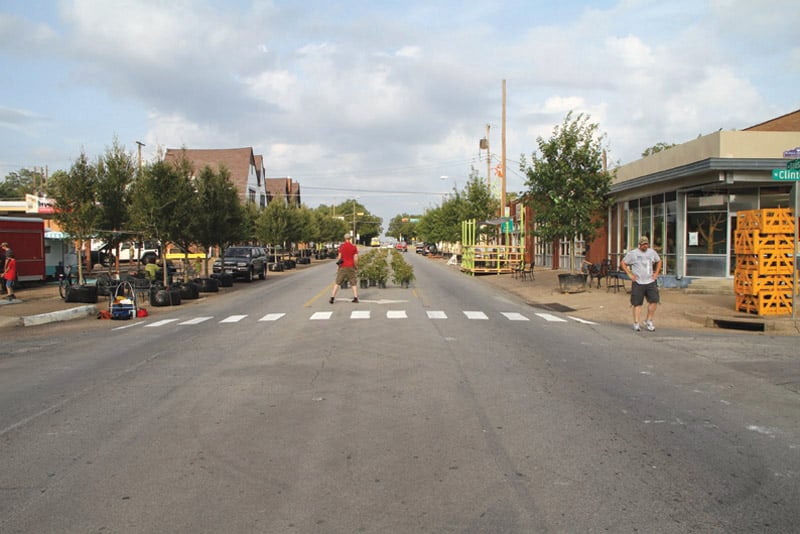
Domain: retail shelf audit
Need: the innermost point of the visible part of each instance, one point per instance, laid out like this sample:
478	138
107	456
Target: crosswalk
356	315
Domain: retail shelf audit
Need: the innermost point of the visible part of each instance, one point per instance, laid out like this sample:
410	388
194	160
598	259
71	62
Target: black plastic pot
207	285
85	294
189	291
165	297
224	279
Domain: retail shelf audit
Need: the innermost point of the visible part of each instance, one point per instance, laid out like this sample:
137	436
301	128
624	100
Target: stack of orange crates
764	276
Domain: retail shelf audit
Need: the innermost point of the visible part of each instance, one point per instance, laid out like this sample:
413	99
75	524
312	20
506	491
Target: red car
402	246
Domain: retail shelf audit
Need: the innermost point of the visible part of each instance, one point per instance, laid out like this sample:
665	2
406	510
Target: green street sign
786	174
793	165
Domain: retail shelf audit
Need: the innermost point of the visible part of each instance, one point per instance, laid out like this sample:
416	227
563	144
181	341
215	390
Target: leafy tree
20	183
658	147
367	225
219	218
273	223
163	203
401	227
330	228
115	173
567	185
74	194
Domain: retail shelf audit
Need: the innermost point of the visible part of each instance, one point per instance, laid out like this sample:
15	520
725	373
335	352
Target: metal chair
527	272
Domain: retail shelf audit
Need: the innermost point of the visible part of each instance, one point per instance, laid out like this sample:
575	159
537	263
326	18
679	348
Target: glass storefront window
776	197
743	199
707	233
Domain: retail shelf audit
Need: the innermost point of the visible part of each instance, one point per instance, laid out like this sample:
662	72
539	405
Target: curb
78	312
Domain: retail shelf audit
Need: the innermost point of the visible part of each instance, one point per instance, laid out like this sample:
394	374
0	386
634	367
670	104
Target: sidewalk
678	309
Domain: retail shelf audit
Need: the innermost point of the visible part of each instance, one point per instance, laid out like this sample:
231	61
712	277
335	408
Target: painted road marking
272	317
478	315
514	316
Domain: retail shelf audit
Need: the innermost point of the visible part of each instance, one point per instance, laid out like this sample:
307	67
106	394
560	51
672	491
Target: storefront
685	199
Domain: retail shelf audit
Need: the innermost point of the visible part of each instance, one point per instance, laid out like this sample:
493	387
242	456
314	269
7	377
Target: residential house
284	189
246	169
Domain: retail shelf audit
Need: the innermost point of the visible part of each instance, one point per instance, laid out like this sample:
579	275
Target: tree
115	173
77	211
658	147
273	223
401	227
23	182
218	220
330	229
568	187
163	203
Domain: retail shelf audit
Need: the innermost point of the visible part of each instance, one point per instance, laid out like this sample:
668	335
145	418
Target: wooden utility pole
140	154
488	162
503	163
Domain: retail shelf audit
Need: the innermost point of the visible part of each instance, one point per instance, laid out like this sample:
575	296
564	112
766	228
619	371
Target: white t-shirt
641	264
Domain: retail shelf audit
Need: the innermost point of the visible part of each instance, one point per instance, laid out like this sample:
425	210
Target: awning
56	235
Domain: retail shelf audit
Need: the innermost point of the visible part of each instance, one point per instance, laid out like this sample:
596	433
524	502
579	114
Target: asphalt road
442	408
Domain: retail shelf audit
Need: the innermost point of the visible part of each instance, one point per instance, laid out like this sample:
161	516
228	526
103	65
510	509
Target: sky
384	101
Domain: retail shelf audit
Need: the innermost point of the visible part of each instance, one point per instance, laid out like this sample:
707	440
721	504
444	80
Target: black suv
243	262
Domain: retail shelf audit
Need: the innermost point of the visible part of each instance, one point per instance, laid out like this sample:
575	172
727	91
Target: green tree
401	227
330	228
218	221
567	185
20	183
115	174
163	203
74	195
273	223
658	147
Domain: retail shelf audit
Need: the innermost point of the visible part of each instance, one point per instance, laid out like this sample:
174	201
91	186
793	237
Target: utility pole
140	154
503	176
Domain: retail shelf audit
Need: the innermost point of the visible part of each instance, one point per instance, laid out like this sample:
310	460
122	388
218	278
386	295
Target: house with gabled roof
246	169
283	189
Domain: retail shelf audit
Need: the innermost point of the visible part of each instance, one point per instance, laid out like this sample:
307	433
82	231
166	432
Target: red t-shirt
348	251
11	270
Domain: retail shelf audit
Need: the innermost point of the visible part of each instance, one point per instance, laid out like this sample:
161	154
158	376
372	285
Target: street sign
792	153
786	174
793	165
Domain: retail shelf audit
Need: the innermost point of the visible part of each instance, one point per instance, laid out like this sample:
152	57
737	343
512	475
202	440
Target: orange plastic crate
767	221
755	242
765	263
767	303
750	283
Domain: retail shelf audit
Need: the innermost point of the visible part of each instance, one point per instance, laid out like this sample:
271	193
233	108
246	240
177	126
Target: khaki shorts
346	273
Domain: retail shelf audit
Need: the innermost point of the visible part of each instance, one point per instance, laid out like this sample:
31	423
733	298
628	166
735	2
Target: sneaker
331	300
650	326
355	300
636	327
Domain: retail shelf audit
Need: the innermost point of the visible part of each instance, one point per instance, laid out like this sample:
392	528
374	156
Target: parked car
243	262
420	248
402	246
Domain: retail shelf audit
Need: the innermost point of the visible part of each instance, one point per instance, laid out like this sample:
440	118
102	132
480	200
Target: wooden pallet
767	221
756	242
766	303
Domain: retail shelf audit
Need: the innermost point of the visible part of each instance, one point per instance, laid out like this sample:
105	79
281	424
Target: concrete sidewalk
678	309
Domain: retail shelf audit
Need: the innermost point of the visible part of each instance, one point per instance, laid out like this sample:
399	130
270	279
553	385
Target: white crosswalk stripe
582	321
321	316
396	314
437	315
514	316
196	320
233	319
479	315
359	314
272	317
162	322
551	318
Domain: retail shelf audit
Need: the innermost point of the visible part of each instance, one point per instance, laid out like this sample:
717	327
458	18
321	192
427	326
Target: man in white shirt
643	265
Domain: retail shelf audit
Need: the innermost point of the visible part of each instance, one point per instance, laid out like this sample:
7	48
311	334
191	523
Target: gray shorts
640	291
346	273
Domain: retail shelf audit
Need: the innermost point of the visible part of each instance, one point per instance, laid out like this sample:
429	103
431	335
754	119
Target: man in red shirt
347	260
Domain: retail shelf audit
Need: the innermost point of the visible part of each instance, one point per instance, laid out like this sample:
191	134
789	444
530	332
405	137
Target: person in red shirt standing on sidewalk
9	272
347	260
